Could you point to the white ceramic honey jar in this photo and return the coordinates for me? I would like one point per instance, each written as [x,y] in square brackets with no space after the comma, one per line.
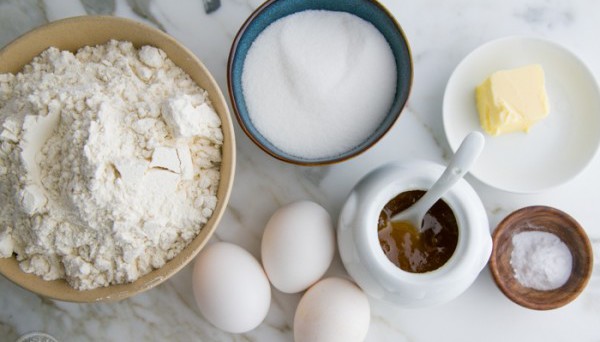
[365,260]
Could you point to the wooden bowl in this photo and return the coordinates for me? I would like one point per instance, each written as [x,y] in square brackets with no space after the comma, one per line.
[72,34]
[546,219]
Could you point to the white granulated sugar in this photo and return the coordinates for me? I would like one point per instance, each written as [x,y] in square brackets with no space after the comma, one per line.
[540,260]
[318,83]
[109,163]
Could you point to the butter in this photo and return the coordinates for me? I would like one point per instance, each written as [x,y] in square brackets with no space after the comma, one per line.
[512,100]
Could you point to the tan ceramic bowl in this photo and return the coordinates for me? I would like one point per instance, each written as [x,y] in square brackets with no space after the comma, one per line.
[72,34]
[546,219]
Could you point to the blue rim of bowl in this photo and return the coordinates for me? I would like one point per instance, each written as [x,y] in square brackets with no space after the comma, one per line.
[389,121]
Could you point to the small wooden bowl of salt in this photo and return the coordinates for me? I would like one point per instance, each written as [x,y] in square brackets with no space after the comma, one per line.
[542,258]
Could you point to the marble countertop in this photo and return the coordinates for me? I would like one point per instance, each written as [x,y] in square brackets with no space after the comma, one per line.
[441,33]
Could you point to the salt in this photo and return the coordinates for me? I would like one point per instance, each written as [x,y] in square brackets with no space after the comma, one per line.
[540,260]
[318,83]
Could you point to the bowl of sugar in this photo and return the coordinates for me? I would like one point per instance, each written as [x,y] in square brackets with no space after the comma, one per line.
[318,82]
[542,258]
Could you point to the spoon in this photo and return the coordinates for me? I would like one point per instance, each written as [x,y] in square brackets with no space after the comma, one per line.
[461,162]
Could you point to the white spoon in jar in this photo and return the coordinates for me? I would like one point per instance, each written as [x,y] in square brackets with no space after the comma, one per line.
[461,162]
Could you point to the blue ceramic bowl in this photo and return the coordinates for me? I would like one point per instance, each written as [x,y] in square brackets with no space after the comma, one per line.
[272,10]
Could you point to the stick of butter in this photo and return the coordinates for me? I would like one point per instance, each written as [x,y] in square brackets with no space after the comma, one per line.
[512,100]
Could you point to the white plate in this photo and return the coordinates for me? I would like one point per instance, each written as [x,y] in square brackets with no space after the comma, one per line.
[557,148]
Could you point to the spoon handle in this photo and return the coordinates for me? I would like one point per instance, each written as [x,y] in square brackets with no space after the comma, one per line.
[463,159]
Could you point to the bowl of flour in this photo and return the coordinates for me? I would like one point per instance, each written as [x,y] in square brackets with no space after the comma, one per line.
[319,82]
[117,158]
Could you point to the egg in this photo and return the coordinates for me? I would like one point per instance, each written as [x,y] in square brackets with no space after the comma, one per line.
[297,246]
[332,310]
[230,287]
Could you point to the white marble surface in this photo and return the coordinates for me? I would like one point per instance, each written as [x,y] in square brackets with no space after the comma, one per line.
[441,33]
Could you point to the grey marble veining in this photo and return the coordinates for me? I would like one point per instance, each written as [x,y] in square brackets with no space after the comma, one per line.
[18,17]
[142,8]
[441,34]
[99,7]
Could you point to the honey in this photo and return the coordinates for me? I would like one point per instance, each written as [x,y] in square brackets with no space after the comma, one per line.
[411,250]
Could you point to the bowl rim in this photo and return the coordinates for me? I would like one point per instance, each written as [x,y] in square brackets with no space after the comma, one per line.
[505,226]
[327,160]
[9,267]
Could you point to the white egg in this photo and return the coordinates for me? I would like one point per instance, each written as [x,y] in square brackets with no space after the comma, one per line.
[231,289]
[298,245]
[332,310]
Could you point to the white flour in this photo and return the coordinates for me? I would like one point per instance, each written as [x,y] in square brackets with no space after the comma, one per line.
[109,163]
